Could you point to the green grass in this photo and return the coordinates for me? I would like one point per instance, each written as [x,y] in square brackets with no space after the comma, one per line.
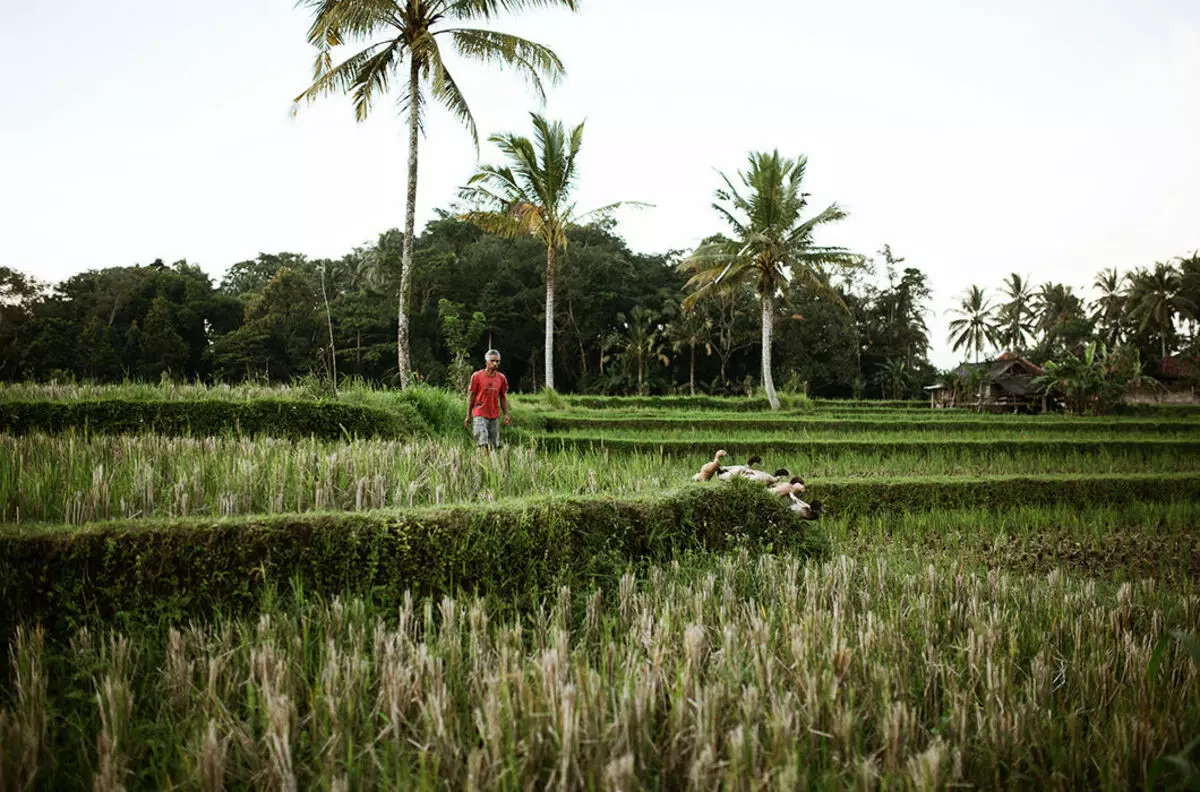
[719,425]
[73,478]
[1000,586]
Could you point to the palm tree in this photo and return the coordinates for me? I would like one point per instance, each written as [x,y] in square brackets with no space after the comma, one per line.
[409,32]
[1109,307]
[689,330]
[531,196]
[1189,271]
[1156,299]
[1015,320]
[642,341]
[974,327]
[769,236]
[1056,306]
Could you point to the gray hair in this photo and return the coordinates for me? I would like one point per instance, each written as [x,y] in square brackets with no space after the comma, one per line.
[491,353]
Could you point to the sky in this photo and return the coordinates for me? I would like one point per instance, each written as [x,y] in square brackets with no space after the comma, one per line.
[1045,137]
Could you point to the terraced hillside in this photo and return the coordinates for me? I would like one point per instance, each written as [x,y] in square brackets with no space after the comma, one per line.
[291,590]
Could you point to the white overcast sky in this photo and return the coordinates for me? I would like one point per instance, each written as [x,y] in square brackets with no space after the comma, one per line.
[1046,137]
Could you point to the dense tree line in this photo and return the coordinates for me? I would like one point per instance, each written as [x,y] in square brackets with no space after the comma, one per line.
[1149,311]
[618,322]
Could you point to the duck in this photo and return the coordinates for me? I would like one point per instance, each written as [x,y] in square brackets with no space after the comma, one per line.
[710,468]
[788,488]
[739,471]
[807,511]
[769,479]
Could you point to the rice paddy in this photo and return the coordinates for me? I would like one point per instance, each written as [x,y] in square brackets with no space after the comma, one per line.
[1023,642]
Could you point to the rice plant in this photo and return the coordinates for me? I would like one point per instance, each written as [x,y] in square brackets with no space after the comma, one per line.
[731,673]
[73,478]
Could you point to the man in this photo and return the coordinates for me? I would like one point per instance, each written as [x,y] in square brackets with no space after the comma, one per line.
[487,397]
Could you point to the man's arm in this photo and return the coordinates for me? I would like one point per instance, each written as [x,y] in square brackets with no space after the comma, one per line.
[504,406]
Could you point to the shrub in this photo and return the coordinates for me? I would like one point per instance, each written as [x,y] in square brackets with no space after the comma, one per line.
[172,568]
[277,417]
[862,498]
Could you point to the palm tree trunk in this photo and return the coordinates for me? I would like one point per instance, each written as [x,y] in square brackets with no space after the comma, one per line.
[549,354]
[329,324]
[768,321]
[410,221]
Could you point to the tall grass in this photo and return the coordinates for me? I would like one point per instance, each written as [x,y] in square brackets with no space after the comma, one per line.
[736,673]
[73,478]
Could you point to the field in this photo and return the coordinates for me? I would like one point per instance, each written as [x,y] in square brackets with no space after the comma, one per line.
[223,602]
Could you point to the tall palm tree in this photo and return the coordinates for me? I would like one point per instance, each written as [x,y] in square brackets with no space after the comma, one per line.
[532,196]
[973,328]
[1189,288]
[1109,307]
[1056,306]
[408,33]
[769,240]
[1014,323]
[1156,299]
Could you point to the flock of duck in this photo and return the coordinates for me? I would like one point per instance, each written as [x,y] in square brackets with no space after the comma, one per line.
[781,482]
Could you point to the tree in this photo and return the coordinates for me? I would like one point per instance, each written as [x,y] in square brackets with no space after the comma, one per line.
[688,330]
[769,238]
[1062,321]
[642,342]
[1156,299]
[163,350]
[1014,321]
[974,326]
[532,196]
[460,335]
[1094,381]
[1109,308]
[1189,289]
[411,31]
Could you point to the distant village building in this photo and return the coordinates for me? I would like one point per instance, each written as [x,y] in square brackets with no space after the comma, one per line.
[1001,385]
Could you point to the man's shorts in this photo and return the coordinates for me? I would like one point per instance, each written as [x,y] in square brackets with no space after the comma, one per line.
[486,431]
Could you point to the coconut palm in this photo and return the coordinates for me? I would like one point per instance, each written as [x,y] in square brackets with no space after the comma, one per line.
[1014,323]
[1057,307]
[1109,307]
[1156,299]
[1189,281]
[770,238]
[532,196]
[974,327]
[412,33]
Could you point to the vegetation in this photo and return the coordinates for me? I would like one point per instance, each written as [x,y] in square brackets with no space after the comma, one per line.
[362,611]
[770,241]
[411,32]
[532,196]
[734,672]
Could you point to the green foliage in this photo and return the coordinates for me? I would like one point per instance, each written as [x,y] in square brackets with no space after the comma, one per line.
[202,418]
[460,335]
[441,409]
[863,498]
[1094,382]
[177,568]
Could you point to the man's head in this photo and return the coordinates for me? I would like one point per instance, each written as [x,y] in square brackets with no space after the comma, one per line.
[492,360]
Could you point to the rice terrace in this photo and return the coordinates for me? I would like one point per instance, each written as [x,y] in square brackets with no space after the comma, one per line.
[499,500]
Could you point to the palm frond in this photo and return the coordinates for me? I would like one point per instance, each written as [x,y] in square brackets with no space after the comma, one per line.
[444,88]
[534,61]
[489,9]
[362,74]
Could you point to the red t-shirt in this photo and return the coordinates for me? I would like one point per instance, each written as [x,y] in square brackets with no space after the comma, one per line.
[485,393]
